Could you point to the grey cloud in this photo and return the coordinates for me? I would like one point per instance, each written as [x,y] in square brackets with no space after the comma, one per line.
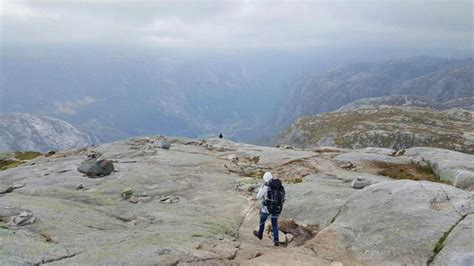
[244,24]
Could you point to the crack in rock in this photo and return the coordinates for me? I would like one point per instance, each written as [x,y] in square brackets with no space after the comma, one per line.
[440,244]
[45,261]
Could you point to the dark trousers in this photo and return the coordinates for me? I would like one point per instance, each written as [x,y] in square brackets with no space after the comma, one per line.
[263,219]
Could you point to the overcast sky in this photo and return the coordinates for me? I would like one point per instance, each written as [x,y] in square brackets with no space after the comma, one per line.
[285,25]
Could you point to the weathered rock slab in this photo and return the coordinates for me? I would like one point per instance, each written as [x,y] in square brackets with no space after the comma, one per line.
[393,222]
[458,248]
[454,167]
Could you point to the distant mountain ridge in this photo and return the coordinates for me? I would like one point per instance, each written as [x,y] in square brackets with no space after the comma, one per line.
[438,79]
[20,131]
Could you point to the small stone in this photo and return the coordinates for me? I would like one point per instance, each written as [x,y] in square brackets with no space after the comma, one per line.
[358,183]
[24,218]
[133,199]
[289,237]
[282,237]
[268,228]
[399,153]
[143,194]
[127,193]
[164,199]
[348,166]
[165,145]
[50,153]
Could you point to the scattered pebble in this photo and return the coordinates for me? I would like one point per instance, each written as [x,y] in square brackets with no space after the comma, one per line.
[358,183]
[348,166]
[24,218]
[127,193]
[133,199]
[81,187]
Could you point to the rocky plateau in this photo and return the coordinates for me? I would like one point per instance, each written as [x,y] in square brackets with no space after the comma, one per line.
[193,204]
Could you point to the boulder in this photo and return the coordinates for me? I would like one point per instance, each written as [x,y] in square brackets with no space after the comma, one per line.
[94,168]
[358,183]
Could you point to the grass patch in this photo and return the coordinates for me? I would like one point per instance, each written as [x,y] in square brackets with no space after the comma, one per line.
[7,164]
[256,173]
[295,180]
[26,155]
[406,171]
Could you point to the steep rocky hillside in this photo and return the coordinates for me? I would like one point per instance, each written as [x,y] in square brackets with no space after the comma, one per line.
[382,126]
[434,78]
[449,83]
[194,204]
[20,131]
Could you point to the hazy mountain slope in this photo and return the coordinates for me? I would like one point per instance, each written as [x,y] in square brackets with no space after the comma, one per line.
[330,90]
[39,133]
[389,127]
[456,81]
[466,103]
[145,92]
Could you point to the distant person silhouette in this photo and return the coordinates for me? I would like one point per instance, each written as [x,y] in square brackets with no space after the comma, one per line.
[221,136]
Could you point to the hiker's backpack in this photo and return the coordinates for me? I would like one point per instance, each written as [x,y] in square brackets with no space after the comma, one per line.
[275,196]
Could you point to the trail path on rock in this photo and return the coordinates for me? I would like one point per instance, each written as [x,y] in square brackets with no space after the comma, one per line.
[253,251]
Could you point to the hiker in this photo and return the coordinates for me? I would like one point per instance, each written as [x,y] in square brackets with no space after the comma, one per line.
[221,136]
[272,194]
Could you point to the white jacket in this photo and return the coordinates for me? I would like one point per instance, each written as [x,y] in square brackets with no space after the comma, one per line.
[262,192]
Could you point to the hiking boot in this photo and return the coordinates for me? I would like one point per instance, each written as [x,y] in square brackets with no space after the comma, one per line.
[276,244]
[255,233]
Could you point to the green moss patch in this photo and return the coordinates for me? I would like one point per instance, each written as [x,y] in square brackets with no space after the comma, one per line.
[3,225]
[8,163]
[26,155]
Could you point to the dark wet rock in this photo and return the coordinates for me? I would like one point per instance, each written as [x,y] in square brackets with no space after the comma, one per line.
[94,168]
[165,145]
